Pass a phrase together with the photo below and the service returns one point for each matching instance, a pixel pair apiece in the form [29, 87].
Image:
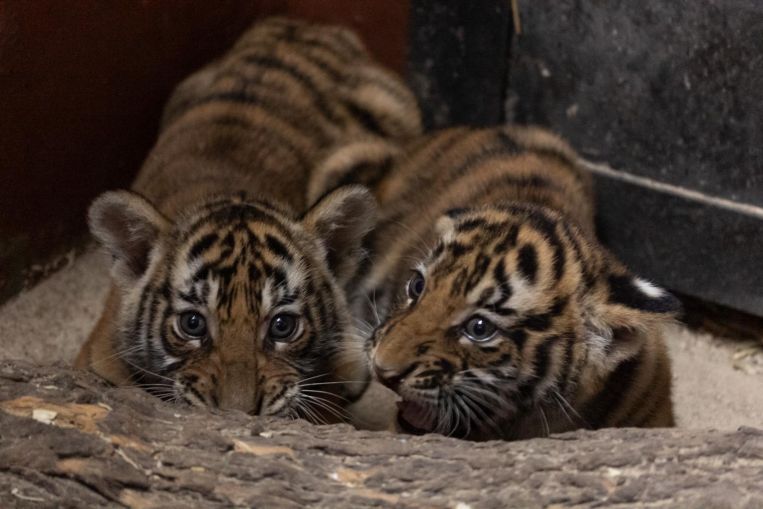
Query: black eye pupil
[193, 324]
[416, 285]
[282, 326]
[479, 329]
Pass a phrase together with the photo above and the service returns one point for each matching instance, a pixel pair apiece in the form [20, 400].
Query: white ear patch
[648, 289]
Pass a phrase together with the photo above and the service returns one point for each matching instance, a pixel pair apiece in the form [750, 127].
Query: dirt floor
[718, 383]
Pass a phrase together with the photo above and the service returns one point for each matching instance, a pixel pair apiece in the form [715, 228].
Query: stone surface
[667, 90]
[92, 446]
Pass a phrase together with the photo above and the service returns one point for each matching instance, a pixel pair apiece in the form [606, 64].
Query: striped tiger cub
[227, 288]
[502, 316]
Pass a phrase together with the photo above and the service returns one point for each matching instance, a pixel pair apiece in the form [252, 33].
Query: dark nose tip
[390, 377]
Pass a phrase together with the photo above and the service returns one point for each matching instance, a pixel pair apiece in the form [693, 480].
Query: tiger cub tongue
[418, 416]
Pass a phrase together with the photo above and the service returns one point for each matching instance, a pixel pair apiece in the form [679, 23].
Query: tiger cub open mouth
[416, 418]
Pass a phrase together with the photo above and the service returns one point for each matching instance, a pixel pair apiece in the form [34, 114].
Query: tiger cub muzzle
[438, 391]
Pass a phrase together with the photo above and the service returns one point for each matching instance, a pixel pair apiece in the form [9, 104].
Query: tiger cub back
[258, 118]
[501, 314]
[226, 287]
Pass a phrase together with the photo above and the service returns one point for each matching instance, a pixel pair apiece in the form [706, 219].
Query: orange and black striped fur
[502, 316]
[226, 287]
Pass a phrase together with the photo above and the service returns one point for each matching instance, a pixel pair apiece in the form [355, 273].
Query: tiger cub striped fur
[226, 288]
[502, 316]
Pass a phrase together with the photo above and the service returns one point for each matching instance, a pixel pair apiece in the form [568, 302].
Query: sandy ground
[717, 383]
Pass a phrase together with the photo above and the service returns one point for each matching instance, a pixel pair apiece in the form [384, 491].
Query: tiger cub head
[236, 304]
[513, 307]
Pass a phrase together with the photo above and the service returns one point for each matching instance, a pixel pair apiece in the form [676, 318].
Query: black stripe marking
[613, 393]
[278, 248]
[528, 262]
[547, 227]
[481, 265]
[504, 148]
[485, 296]
[277, 109]
[543, 357]
[191, 298]
[508, 240]
[502, 281]
[573, 236]
[438, 250]
[202, 245]
[457, 287]
[309, 86]
[455, 212]
[338, 44]
[458, 249]
[644, 403]
[518, 337]
[508, 144]
[366, 173]
[542, 321]
[366, 119]
[470, 225]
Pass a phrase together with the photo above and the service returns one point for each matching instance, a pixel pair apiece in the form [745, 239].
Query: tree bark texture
[67, 440]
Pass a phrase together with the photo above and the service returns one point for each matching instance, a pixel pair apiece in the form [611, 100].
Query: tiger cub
[226, 288]
[511, 320]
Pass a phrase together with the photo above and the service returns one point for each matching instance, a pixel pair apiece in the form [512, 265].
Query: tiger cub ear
[340, 221]
[633, 295]
[625, 307]
[128, 226]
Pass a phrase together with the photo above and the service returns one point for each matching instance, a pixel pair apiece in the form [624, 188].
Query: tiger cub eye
[479, 329]
[282, 327]
[416, 285]
[192, 325]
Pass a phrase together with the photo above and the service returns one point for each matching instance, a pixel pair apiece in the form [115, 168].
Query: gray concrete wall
[669, 94]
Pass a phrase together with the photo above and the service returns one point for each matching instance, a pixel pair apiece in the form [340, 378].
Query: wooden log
[67, 440]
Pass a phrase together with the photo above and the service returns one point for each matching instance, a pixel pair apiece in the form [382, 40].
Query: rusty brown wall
[82, 84]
